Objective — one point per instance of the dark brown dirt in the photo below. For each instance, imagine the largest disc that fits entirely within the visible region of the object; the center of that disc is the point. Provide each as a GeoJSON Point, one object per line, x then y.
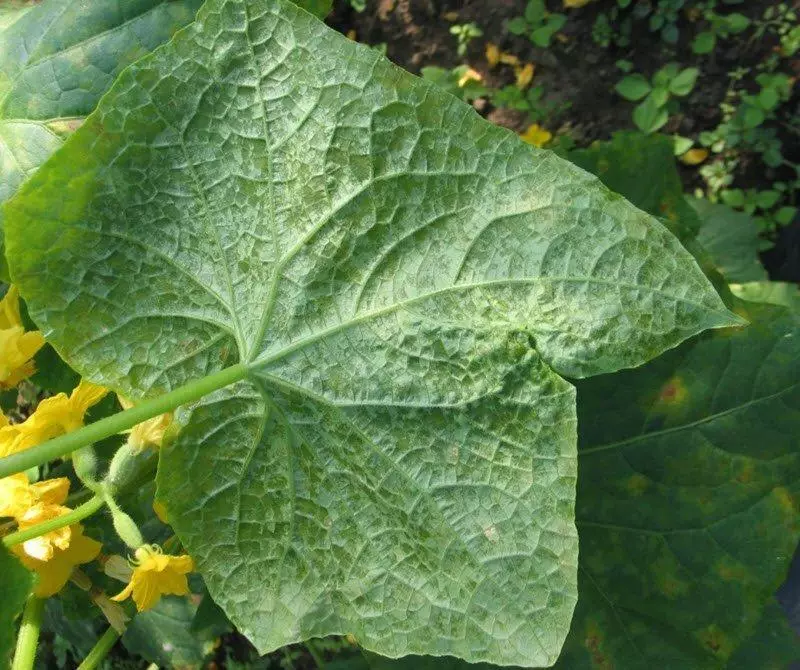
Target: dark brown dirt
{"type": "Point", "coordinates": [581, 74]}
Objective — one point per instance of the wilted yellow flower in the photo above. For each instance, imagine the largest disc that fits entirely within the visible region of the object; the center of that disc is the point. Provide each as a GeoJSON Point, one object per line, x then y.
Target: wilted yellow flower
{"type": "Point", "coordinates": [55, 572]}
{"type": "Point", "coordinates": [156, 574]}
{"type": "Point", "coordinates": [536, 135]}
{"type": "Point", "coordinates": [509, 59]}
{"type": "Point", "coordinates": [17, 348]}
{"type": "Point", "coordinates": [18, 495]}
{"type": "Point", "coordinates": [468, 76]}
{"type": "Point", "coordinates": [53, 417]}
{"type": "Point", "coordinates": [44, 546]}
{"type": "Point", "coordinates": [492, 54]}
{"type": "Point", "coordinates": [149, 433]}
{"type": "Point", "coordinates": [694, 156]}
{"type": "Point", "coordinates": [525, 75]}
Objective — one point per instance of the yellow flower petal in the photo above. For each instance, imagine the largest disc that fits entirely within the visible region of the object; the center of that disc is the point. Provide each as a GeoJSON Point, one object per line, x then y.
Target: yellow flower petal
{"type": "Point", "coordinates": [44, 546]}
{"type": "Point", "coordinates": [156, 574]}
{"type": "Point", "coordinates": [52, 491]}
{"type": "Point", "coordinates": [17, 347]}
{"type": "Point", "coordinates": [694, 156]}
{"type": "Point", "coordinates": [54, 573]}
{"type": "Point", "coordinates": [536, 135]}
{"type": "Point", "coordinates": [149, 433]}
{"type": "Point", "coordinates": [16, 496]}
{"type": "Point", "coordinates": [574, 4]}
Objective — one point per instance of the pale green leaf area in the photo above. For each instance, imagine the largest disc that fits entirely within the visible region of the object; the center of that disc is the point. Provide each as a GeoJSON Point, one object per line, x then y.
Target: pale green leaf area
{"type": "Point", "coordinates": [405, 283]}
{"type": "Point", "coordinates": [772, 292]}
{"type": "Point", "coordinates": [15, 587]}
{"type": "Point", "coordinates": [731, 239]}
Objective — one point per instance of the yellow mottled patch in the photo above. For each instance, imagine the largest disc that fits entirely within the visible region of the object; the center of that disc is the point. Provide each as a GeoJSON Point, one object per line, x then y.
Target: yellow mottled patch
{"type": "Point", "coordinates": [454, 454]}
{"type": "Point", "coordinates": [666, 578]}
{"type": "Point", "coordinates": [594, 644]}
{"type": "Point", "coordinates": [785, 499]}
{"type": "Point", "coordinates": [637, 484]}
{"type": "Point", "coordinates": [716, 640]}
{"type": "Point", "coordinates": [730, 571]}
{"type": "Point", "coordinates": [65, 127]}
{"type": "Point", "coordinates": [491, 534]}
{"type": "Point", "coordinates": [674, 392]}
{"type": "Point", "coordinates": [745, 475]}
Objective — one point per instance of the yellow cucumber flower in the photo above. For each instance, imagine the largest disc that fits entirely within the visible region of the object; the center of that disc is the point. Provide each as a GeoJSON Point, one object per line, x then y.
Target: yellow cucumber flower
{"type": "Point", "coordinates": [54, 573]}
{"type": "Point", "coordinates": [156, 574]}
{"type": "Point", "coordinates": [18, 495]}
{"type": "Point", "coordinates": [43, 547]}
{"type": "Point", "coordinates": [149, 433]}
{"type": "Point", "coordinates": [536, 135]}
{"type": "Point", "coordinates": [17, 348]}
{"type": "Point", "coordinates": [53, 417]}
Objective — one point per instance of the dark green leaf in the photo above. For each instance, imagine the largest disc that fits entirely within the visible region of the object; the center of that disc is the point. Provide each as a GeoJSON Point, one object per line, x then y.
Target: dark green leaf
{"type": "Point", "coordinates": [163, 636]}
{"type": "Point", "coordinates": [405, 283]}
{"type": "Point", "coordinates": [731, 238]}
{"type": "Point", "coordinates": [16, 585]}
{"type": "Point", "coordinates": [704, 43]}
{"type": "Point", "coordinates": [687, 498]}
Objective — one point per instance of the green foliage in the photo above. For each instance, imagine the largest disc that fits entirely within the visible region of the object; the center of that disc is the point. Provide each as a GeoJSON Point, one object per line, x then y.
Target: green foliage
{"type": "Point", "coordinates": [537, 24]}
{"type": "Point", "coordinates": [731, 239]}
{"type": "Point", "coordinates": [465, 33]}
{"type": "Point", "coordinates": [351, 249]}
{"type": "Point", "coordinates": [455, 82]}
{"type": "Point", "coordinates": [163, 636]}
{"type": "Point", "coordinates": [652, 113]}
{"type": "Point", "coordinates": [15, 587]}
{"type": "Point", "coordinates": [531, 100]}
{"type": "Point", "coordinates": [720, 26]}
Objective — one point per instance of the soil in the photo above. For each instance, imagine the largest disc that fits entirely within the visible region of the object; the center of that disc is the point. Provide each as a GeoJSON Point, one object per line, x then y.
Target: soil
{"type": "Point", "coordinates": [576, 71]}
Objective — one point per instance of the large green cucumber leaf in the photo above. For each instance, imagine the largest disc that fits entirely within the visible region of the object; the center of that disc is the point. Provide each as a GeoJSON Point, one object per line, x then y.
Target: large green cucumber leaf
{"type": "Point", "coordinates": [15, 587]}
{"type": "Point", "coordinates": [405, 282]}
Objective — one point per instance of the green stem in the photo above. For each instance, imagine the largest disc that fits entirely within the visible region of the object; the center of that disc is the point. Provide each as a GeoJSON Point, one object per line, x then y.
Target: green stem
{"type": "Point", "coordinates": [100, 650]}
{"type": "Point", "coordinates": [28, 636]}
{"type": "Point", "coordinates": [87, 509]}
{"type": "Point", "coordinates": [312, 649]}
{"type": "Point", "coordinates": [111, 425]}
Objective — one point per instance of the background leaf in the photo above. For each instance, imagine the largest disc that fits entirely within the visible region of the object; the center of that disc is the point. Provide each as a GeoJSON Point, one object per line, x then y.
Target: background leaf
{"type": "Point", "coordinates": [15, 587]}
{"type": "Point", "coordinates": [731, 239]}
{"type": "Point", "coordinates": [404, 281]}
{"type": "Point", "coordinates": [688, 523]}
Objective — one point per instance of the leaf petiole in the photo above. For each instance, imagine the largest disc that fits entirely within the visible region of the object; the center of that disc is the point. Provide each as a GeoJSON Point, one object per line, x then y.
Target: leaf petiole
{"type": "Point", "coordinates": [111, 425]}
{"type": "Point", "coordinates": [100, 650]}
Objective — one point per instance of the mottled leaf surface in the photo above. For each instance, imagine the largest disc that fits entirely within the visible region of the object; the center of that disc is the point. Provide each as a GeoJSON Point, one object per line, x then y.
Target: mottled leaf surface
{"type": "Point", "coordinates": [16, 585]}
{"type": "Point", "coordinates": [687, 501]}
{"type": "Point", "coordinates": [642, 168]}
{"type": "Point", "coordinates": [406, 284]}
{"type": "Point", "coordinates": [731, 239]}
